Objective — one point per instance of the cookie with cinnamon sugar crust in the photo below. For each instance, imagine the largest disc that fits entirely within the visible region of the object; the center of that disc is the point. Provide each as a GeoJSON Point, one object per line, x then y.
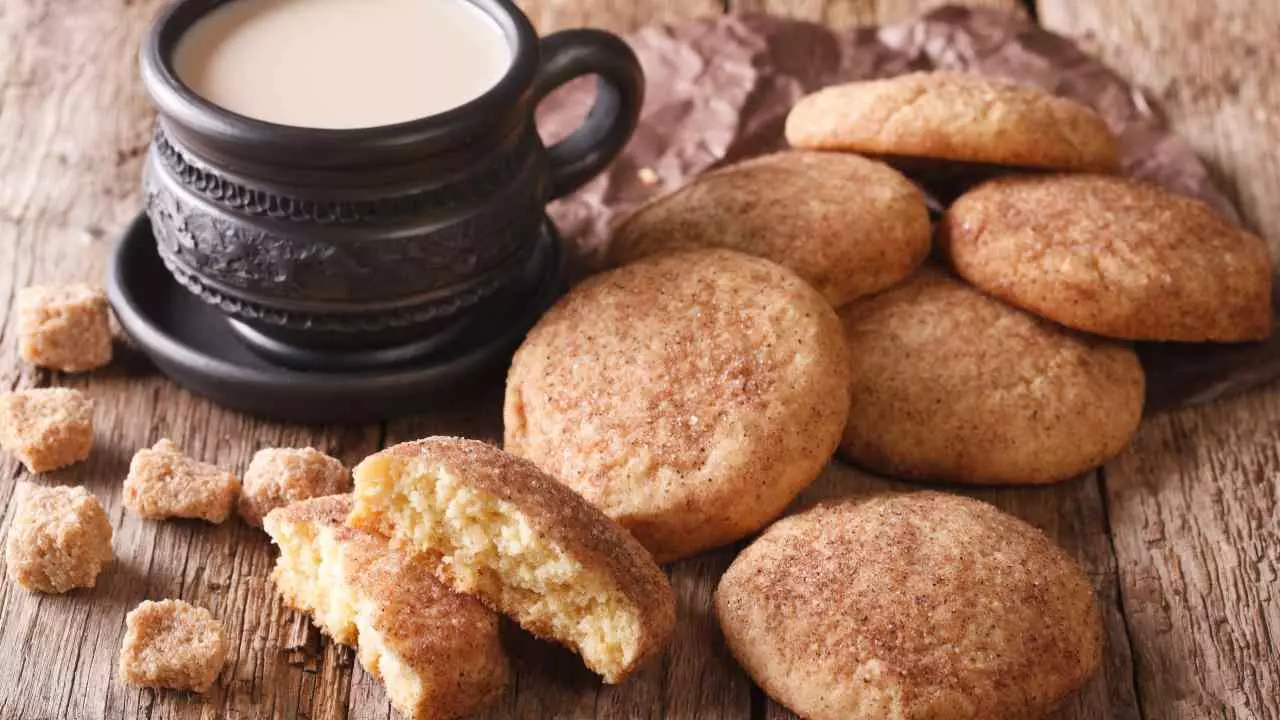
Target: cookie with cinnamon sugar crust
{"type": "Point", "coordinates": [848, 225]}
{"type": "Point", "coordinates": [951, 384]}
{"type": "Point", "coordinates": [925, 606]}
{"type": "Point", "coordinates": [1113, 257]}
{"type": "Point", "coordinates": [690, 396]}
{"type": "Point", "coordinates": [954, 116]}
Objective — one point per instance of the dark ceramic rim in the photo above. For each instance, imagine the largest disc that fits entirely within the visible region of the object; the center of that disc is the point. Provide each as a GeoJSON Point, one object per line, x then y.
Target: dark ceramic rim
{"type": "Point", "coordinates": [259, 138]}
{"type": "Point", "coordinates": [166, 350]}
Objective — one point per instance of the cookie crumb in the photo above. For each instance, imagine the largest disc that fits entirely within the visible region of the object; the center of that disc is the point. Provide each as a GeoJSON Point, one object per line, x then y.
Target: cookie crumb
{"type": "Point", "coordinates": [164, 483]}
{"type": "Point", "coordinates": [60, 539]}
{"type": "Point", "coordinates": [172, 644]}
{"type": "Point", "coordinates": [64, 327]}
{"type": "Point", "coordinates": [46, 428]}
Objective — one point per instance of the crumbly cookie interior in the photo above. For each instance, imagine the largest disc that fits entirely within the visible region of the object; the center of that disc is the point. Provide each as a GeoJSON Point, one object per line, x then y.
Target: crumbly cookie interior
{"type": "Point", "coordinates": [490, 549]}
{"type": "Point", "coordinates": [309, 574]}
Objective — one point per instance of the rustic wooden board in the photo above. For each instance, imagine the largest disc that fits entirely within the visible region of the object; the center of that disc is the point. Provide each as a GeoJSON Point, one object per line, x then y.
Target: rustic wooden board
{"type": "Point", "coordinates": [615, 15]}
{"type": "Point", "coordinates": [1179, 535]}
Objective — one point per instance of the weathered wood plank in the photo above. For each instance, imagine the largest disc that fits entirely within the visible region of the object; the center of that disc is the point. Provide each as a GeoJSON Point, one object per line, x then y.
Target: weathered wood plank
{"type": "Point", "coordinates": [615, 15]}
{"type": "Point", "coordinates": [1194, 516]}
{"type": "Point", "coordinates": [1193, 501]}
{"type": "Point", "coordinates": [850, 13]}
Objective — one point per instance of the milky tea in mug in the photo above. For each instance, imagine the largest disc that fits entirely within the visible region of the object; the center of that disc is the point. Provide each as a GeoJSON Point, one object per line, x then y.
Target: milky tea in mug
{"type": "Point", "coordinates": [341, 64]}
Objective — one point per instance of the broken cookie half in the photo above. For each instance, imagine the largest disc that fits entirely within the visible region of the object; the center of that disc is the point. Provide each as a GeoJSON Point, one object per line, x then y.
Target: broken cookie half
{"type": "Point", "coordinates": [437, 652]}
{"type": "Point", "coordinates": [495, 526]}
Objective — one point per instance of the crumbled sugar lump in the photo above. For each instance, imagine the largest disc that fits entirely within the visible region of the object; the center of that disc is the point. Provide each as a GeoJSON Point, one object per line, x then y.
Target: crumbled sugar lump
{"type": "Point", "coordinates": [280, 476]}
{"type": "Point", "coordinates": [60, 538]}
{"type": "Point", "coordinates": [46, 428]}
{"type": "Point", "coordinates": [172, 644]}
{"type": "Point", "coordinates": [64, 327]}
{"type": "Point", "coordinates": [165, 483]}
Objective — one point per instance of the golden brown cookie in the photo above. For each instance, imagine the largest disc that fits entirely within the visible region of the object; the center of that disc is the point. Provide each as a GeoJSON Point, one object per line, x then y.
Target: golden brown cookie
{"type": "Point", "coordinates": [1113, 257]}
{"type": "Point", "coordinates": [954, 116]}
{"type": "Point", "coordinates": [924, 606]}
{"type": "Point", "coordinates": [690, 396]}
{"type": "Point", "coordinates": [496, 527]}
{"type": "Point", "coordinates": [950, 384]}
{"type": "Point", "coordinates": [848, 225]}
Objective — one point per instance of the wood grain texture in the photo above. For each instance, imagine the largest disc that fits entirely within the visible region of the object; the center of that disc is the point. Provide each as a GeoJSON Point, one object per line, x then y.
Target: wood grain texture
{"type": "Point", "coordinates": [1193, 501]}
{"type": "Point", "coordinates": [615, 15]}
{"type": "Point", "coordinates": [1193, 505]}
{"type": "Point", "coordinates": [850, 13]}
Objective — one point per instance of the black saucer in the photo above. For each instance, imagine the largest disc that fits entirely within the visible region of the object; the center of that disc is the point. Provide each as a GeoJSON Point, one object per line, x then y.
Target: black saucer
{"type": "Point", "coordinates": [195, 345]}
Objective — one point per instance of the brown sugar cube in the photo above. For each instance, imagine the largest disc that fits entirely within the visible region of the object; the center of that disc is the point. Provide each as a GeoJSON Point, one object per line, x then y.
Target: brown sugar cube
{"type": "Point", "coordinates": [172, 644]}
{"type": "Point", "coordinates": [47, 428]}
{"type": "Point", "coordinates": [279, 476]}
{"type": "Point", "coordinates": [164, 483]}
{"type": "Point", "coordinates": [64, 327]}
{"type": "Point", "coordinates": [60, 539]}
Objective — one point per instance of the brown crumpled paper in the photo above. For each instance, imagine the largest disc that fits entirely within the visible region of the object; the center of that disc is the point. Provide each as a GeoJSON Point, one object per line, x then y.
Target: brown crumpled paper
{"type": "Point", "coordinates": [719, 91]}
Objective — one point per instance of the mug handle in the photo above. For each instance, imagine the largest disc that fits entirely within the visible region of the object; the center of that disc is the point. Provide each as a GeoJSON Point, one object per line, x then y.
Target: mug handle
{"type": "Point", "coordinates": [619, 93]}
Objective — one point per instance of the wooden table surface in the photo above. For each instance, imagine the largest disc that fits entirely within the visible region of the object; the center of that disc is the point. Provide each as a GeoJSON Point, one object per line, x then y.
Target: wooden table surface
{"type": "Point", "coordinates": [1179, 533]}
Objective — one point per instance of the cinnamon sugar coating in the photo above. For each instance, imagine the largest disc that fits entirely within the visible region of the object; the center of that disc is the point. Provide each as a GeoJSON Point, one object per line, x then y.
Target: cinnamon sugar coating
{"type": "Point", "coordinates": [165, 483]}
{"type": "Point", "coordinates": [279, 476]}
{"type": "Point", "coordinates": [689, 396]}
{"type": "Point", "coordinates": [847, 225]}
{"type": "Point", "coordinates": [172, 644]}
{"type": "Point", "coordinates": [924, 606]}
{"type": "Point", "coordinates": [59, 538]}
{"type": "Point", "coordinates": [954, 116]}
{"type": "Point", "coordinates": [1113, 257]}
{"type": "Point", "coordinates": [46, 428]}
{"type": "Point", "coordinates": [64, 327]}
{"type": "Point", "coordinates": [951, 384]}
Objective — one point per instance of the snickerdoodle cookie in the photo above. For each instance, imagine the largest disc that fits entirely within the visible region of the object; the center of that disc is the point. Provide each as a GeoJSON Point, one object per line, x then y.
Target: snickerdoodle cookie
{"type": "Point", "coordinates": [690, 396]}
{"type": "Point", "coordinates": [925, 606]}
{"type": "Point", "coordinates": [954, 116]}
{"type": "Point", "coordinates": [1113, 257]}
{"type": "Point", "coordinates": [950, 384]}
{"type": "Point", "coordinates": [848, 225]}
{"type": "Point", "coordinates": [496, 527]}
{"type": "Point", "coordinates": [438, 653]}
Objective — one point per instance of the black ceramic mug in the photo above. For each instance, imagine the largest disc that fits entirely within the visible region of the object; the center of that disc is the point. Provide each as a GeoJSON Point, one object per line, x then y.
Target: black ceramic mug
{"type": "Point", "coordinates": [320, 241]}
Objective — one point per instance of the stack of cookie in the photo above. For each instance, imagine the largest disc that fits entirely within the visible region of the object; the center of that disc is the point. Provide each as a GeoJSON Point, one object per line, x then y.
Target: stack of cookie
{"type": "Point", "coordinates": [774, 310]}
